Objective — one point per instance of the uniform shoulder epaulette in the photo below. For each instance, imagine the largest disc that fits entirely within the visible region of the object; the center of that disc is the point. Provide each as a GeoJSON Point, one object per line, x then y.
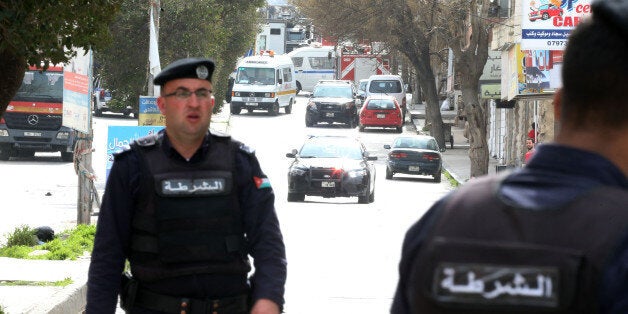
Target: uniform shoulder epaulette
{"type": "Point", "coordinates": [246, 149]}
{"type": "Point", "coordinates": [148, 140]}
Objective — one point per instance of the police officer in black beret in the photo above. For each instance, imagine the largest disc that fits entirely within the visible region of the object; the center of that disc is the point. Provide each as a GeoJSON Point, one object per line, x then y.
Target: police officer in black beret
{"type": "Point", "coordinates": [551, 237]}
{"type": "Point", "coordinates": [186, 207]}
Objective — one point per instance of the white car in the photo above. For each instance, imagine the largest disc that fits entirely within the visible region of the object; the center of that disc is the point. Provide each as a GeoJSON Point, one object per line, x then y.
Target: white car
{"type": "Point", "coordinates": [391, 85]}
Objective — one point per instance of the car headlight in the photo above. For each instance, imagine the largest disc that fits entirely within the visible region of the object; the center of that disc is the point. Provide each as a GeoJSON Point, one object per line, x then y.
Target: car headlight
{"type": "Point", "coordinates": [349, 105]}
{"type": "Point", "coordinates": [311, 105]}
{"type": "Point", "coordinates": [236, 94]}
{"type": "Point", "coordinates": [297, 171]}
{"type": "Point", "coordinates": [356, 173]}
{"type": "Point", "coordinates": [4, 133]}
{"type": "Point", "coordinates": [63, 135]}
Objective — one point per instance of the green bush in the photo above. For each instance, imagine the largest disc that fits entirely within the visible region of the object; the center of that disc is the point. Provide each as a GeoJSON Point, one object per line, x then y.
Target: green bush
{"type": "Point", "coordinates": [69, 244]}
{"type": "Point", "coordinates": [22, 235]}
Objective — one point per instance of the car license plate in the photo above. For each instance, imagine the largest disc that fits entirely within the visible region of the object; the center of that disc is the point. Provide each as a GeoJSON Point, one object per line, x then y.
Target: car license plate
{"type": "Point", "coordinates": [329, 114]}
{"type": "Point", "coordinates": [32, 133]}
{"type": "Point", "coordinates": [414, 168]}
{"type": "Point", "coordinates": [381, 115]}
{"type": "Point", "coordinates": [252, 104]}
{"type": "Point", "coordinates": [328, 184]}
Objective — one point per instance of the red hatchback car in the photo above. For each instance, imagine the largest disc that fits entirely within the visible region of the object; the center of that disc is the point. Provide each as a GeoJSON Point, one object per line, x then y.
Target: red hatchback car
{"type": "Point", "coordinates": [381, 112]}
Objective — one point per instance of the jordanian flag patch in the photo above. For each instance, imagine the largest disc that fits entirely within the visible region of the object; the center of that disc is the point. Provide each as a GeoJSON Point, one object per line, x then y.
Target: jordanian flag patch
{"type": "Point", "coordinates": [261, 183]}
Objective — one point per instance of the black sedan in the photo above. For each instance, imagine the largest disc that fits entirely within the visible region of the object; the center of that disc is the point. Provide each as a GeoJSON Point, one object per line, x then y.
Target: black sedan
{"type": "Point", "coordinates": [418, 154]}
{"type": "Point", "coordinates": [331, 166]}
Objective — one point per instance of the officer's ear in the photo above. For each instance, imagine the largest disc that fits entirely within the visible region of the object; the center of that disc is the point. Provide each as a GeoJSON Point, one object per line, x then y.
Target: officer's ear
{"type": "Point", "coordinates": [161, 104]}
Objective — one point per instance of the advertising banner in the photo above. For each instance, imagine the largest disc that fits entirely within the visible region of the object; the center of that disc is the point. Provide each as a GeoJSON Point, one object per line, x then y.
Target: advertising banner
{"type": "Point", "coordinates": [120, 137]}
{"type": "Point", "coordinates": [546, 24]}
{"type": "Point", "coordinates": [76, 86]}
{"type": "Point", "coordinates": [149, 112]}
{"type": "Point", "coordinates": [533, 72]}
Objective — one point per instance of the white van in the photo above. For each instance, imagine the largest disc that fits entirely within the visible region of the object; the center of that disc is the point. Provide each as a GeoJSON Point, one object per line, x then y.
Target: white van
{"type": "Point", "coordinates": [313, 63]}
{"type": "Point", "coordinates": [389, 85]}
{"type": "Point", "coordinates": [264, 82]}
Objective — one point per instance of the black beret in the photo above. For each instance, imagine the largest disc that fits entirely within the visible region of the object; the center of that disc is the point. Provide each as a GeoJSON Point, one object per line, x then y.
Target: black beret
{"type": "Point", "coordinates": [199, 68]}
{"type": "Point", "coordinates": [613, 12]}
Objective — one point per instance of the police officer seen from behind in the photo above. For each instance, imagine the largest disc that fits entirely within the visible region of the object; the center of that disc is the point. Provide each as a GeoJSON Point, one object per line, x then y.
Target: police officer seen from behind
{"type": "Point", "coordinates": [551, 237]}
{"type": "Point", "coordinates": [186, 207]}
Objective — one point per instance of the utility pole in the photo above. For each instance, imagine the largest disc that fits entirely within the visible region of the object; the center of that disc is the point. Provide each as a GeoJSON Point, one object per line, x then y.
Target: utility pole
{"type": "Point", "coordinates": [83, 162]}
{"type": "Point", "coordinates": [153, 53]}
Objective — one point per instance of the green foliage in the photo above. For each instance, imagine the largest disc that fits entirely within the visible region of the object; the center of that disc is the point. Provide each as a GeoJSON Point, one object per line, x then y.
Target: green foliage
{"type": "Point", "coordinates": [219, 29]}
{"type": "Point", "coordinates": [22, 235]}
{"type": "Point", "coordinates": [47, 30]}
{"type": "Point", "coordinates": [59, 283]}
{"type": "Point", "coordinates": [69, 244]}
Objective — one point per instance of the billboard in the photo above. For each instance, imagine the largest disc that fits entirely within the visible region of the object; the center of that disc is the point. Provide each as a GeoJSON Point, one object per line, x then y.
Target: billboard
{"type": "Point", "coordinates": [546, 24]}
{"type": "Point", "coordinates": [76, 89]}
{"type": "Point", "coordinates": [149, 113]}
{"type": "Point", "coordinates": [532, 72]}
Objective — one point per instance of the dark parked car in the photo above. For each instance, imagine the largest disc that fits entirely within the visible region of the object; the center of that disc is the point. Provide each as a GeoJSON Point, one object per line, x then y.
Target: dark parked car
{"type": "Point", "coordinates": [332, 101]}
{"type": "Point", "coordinates": [331, 166]}
{"type": "Point", "coordinates": [418, 154]}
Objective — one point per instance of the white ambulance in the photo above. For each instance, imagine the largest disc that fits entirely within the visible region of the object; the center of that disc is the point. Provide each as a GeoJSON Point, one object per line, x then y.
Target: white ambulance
{"type": "Point", "coordinates": [313, 63]}
{"type": "Point", "coordinates": [264, 82]}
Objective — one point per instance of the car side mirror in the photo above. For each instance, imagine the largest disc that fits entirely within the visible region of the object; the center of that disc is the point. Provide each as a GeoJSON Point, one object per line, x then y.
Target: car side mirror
{"type": "Point", "coordinates": [386, 146]}
{"type": "Point", "coordinates": [371, 158]}
{"type": "Point", "coordinates": [292, 154]}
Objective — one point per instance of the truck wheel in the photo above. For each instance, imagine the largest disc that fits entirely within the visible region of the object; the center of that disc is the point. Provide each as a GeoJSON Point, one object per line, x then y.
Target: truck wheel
{"type": "Point", "coordinates": [67, 156]}
{"type": "Point", "coordinates": [98, 112]}
{"type": "Point", "coordinates": [298, 87]}
{"type": "Point", "coordinates": [288, 109]}
{"type": "Point", "coordinates": [235, 110]}
{"type": "Point", "coordinates": [5, 152]}
{"type": "Point", "coordinates": [273, 110]}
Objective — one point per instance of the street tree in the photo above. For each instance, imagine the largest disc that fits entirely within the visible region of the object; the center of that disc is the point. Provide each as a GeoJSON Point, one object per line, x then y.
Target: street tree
{"type": "Point", "coordinates": [219, 29]}
{"type": "Point", "coordinates": [467, 27]}
{"type": "Point", "coordinates": [39, 33]}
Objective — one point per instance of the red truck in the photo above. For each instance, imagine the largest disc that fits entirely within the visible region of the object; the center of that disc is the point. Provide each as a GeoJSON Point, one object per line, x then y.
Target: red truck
{"type": "Point", "coordinates": [33, 119]}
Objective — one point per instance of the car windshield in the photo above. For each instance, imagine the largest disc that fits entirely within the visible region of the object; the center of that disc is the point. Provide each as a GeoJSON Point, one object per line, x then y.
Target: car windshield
{"type": "Point", "coordinates": [332, 91]}
{"type": "Point", "coordinates": [331, 149]}
{"type": "Point", "coordinates": [380, 104]}
{"type": "Point", "coordinates": [389, 86]}
{"type": "Point", "coordinates": [412, 142]}
{"type": "Point", "coordinates": [259, 76]}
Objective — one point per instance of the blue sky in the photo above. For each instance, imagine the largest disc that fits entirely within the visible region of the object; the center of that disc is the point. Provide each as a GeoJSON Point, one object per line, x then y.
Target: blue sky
{"type": "Point", "coordinates": [277, 2]}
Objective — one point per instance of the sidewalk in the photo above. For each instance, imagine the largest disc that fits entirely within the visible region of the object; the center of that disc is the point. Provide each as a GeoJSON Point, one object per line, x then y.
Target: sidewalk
{"type": "Point", "coordinates": [455, 161]}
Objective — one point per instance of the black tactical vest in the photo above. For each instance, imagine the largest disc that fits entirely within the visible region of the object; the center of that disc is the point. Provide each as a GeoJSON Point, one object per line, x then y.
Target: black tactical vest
{"type": "Point", "coordinates": [187, 219]}
{"type": "Point", "coordinates": [485, 256]}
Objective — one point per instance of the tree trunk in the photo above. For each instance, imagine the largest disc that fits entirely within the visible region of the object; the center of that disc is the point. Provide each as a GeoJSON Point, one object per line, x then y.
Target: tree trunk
{"type": "Point", "coordinates": [428, 89]}
{"type": "Point", "coordinates": [476, 115]}
{"type": "Point", "coordinates": [13, 69]}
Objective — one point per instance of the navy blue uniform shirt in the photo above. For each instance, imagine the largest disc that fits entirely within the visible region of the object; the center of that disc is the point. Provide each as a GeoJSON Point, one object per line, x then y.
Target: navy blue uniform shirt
{"type": "Point", "coordinates": [554, 176]}
{"type": "Point", "coordinates": [113, 234]}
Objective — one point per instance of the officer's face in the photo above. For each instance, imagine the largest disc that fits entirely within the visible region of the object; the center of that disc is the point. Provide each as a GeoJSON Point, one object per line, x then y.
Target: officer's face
{"type": "Point", "coordinates": [187, 107]}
